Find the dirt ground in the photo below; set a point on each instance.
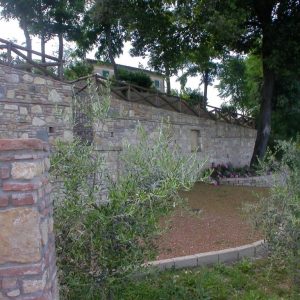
(218, 221)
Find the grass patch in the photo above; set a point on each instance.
(243, 281)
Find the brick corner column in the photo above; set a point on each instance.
(27, 248)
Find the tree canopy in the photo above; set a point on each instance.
(255, 41)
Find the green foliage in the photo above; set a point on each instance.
(278, 216)
(77, 69)
(104, 26)
(228, 109)
(191, 96)
(243, 281)
(154, 34)
(286, 110)
(240, 82)
(139, 78)
(105, 230)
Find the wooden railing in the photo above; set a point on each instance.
(157, 99)
(24, 60)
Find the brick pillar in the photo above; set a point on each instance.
(27, 250)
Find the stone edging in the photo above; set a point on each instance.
(257, 181)
(255, 250)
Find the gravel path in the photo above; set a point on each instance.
(218, 221)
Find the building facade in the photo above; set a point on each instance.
(106, 70)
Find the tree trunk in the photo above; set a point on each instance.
(43, 47)
(205, 81)
(264, 125)
(24, 26)
(264, 11)
(168, 81)
(110, 51)
(60, 54)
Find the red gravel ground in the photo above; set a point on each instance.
(219, 224)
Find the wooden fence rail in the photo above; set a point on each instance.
(133, 93)
(28, 63)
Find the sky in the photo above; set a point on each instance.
(11, 30)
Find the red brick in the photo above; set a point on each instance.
(33, 269)
(23, 199)
(20, 186)
(4, 172)
(21, 144)
(4, 200)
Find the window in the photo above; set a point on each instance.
(157, 84)
(105, 73)
(196, 141)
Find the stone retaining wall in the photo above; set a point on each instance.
(213, 141)
(35, 106)
(27, 251)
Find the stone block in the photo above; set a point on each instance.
(36, 285)
(54, 97)
(186, 261)
(11, 107)
(68, 135)
(23, 199)
(12, 78)
(22, 144)
(228, 255)
(4, 172)
(38, 122)
(246, 251)
(39, 80)
(20, 186)
(4, 200)
(27, 170)
(36, 109)
(13, 293)
(164, 264)
(207, 259)
(21, 270)
(10, 94)
(9, 283)
(27, 78)
(20, 236)
(23, 110)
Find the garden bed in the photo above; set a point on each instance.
(217, 221)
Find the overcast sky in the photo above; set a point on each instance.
(11, 30)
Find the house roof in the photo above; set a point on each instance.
(133, 69)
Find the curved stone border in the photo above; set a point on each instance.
(255, 250)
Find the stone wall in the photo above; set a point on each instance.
(215, 141)
(33, 106)
(27, 251)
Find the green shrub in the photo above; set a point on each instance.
(229, 109)
(191, 96)
(139, 78)
(278, 216)
(105, 230)
(77, 69)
